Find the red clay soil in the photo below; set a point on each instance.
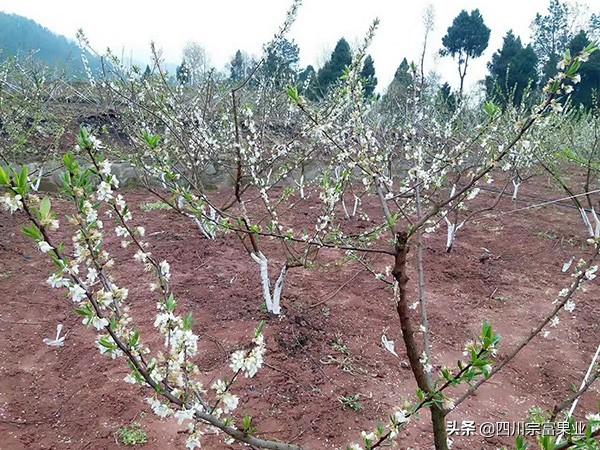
(73, 398)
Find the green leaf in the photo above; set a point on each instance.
(292, 92)
(547, 442)
(45, 206)
(152, 140)
(491, 109)
(4, 178)
(32, 232)
(134, 339)
(188, 321)
(107, 343)
(247, 426)
(22, 181)
(171, 303)
(260, 328)
(69, 161)
(84, 139)
(85, 311)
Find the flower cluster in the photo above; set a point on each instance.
(103, 304)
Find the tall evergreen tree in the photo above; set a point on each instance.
(512, 69)
(330, 73)
(368, 75)
(587, 92)
(446, 99)
(281, 63)
(402, 75)
(307, 79)
(182, 73)
(147, 72)
(398, 92)
(467, 38)
(551, 35)
(239, 67)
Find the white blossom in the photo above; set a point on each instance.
(104, 191)
(219, 386)
(44, 246)
(141, 256)
(97, 322)
(570, 306)
(77, 293)
(424, 360)
(183, 414)
(590, 273)
(57, 281)
(11, 203)
(237, 360)
(230, 402)
(165, 270)
(400, 416)
(105, 167)
(473, 193)
(595, 421)
(160, 409)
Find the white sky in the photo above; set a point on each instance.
(223, 26)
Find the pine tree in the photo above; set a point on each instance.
(182, 73)
(333, 69)
(238, 67)
(281, 64)
(467, 38)
(587, 91)
(402, 75)
(307, 78)
(147, 72)
(513, 68)
(368, 75)
(551, 35)
(446, 99)
(399, 91)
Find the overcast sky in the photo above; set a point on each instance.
(223, 26)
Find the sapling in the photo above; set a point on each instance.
(30, 129)
(103, 305)
(576, 143)
(456, 161)
(179, 134)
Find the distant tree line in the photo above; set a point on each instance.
(515, 72)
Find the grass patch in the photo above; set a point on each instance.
(132, 435)
(154, 206)
(351, 402)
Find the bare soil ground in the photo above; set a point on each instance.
(73, 398)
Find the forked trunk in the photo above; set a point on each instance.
(272, 300)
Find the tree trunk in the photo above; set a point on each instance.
(412, 350)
